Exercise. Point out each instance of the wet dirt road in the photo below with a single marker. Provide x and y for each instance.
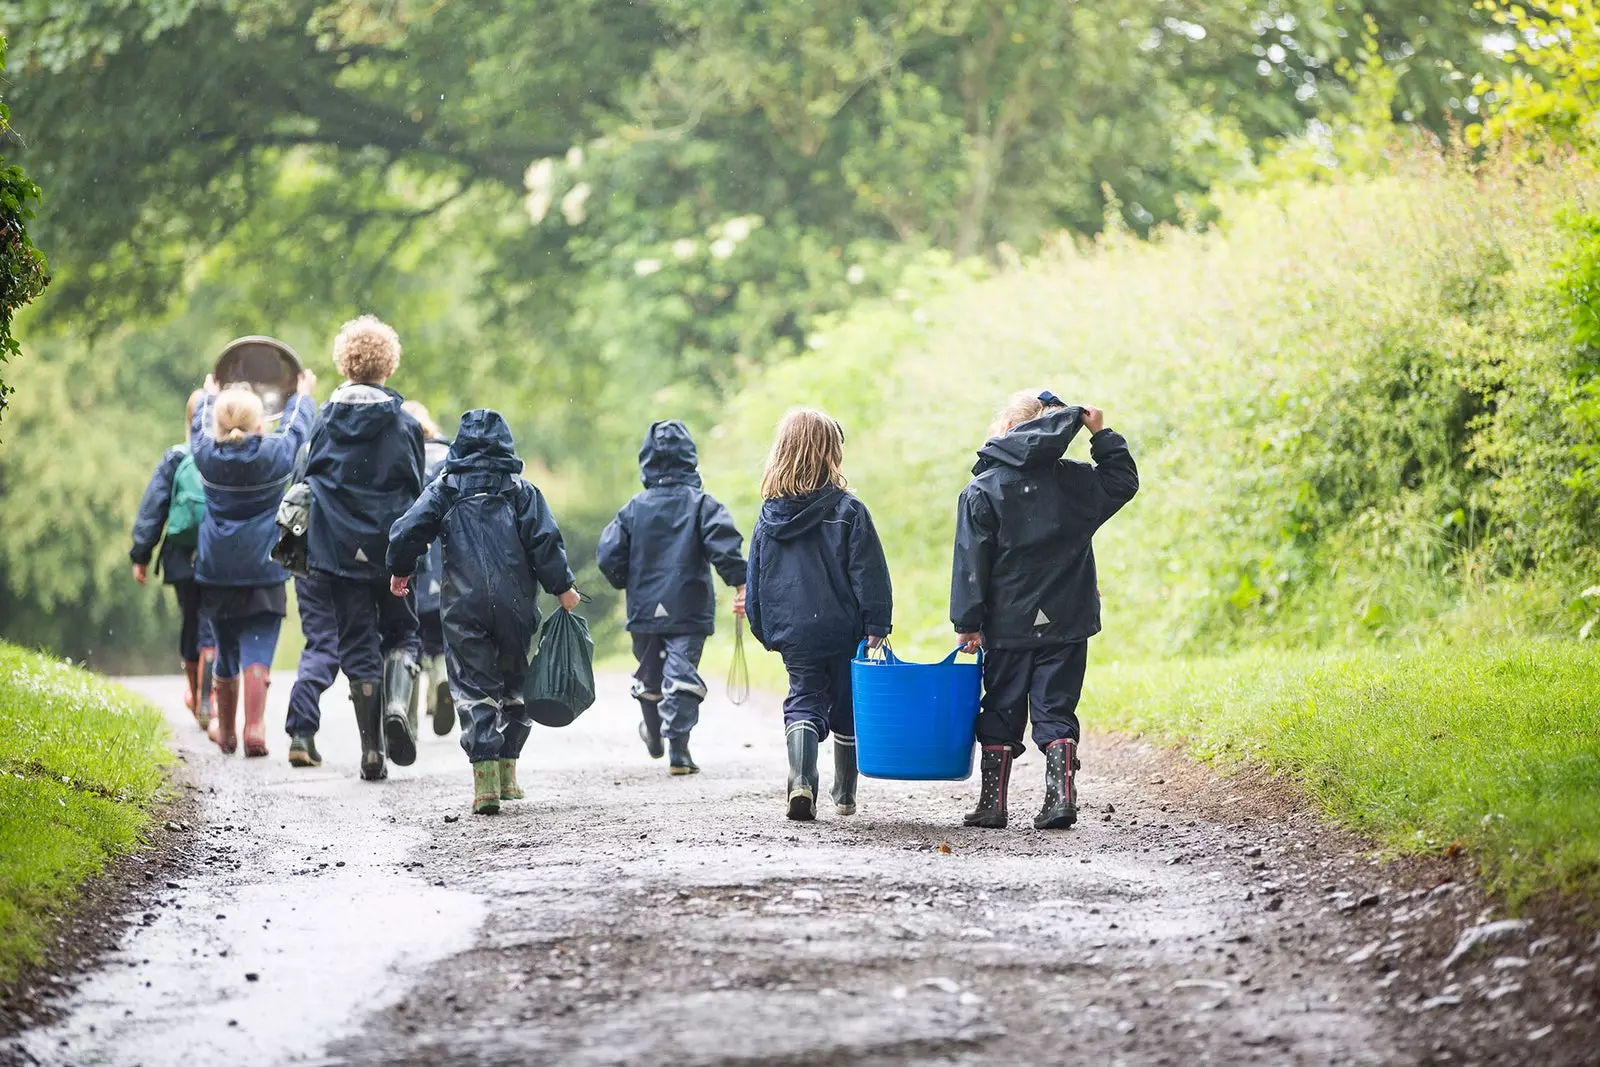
(620, 916)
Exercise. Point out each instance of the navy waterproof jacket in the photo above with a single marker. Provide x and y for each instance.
(430, 568)
(365, 470)
(1024, 573)
(498, 535)
(150, 526)
(818, 580)
(244, 482)
(664, 542)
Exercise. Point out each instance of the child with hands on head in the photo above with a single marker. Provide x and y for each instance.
(1023, 587)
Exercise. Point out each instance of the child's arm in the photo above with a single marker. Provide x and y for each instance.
(722, 541)
(1114, 468)
(541, 542)
(151, 520)
(752, 589)
(973, 560)
(616, 542)
(412, 532)
(869, 576)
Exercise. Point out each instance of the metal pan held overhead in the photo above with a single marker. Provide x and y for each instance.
(267, 365)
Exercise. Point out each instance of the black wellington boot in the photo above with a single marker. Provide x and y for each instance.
(367, 696)
(679, 758)
(1060, 791)
(802, 738)
(399, 683)
(845, 775)
(650, 727)
(991, 810)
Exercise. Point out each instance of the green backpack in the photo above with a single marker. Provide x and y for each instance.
(188, 505)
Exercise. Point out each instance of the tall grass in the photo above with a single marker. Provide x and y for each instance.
(1347, 404)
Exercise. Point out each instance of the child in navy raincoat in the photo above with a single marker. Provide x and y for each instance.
(197, 648)
(500, 545)
(661, 548)
(1023, 587)
(365, 470)
(246, 469)
(428, 583)
(818, 586)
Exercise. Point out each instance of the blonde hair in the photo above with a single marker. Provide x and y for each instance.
(1019, 407)
(807, 454)
(238, 414)
(418, 411)
(367, 350)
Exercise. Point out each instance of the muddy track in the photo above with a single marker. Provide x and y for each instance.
(619, 916)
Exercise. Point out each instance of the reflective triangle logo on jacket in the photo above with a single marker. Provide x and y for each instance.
(661, 611)
(361, 557)
(1041, 619)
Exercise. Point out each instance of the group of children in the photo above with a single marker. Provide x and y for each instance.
(402, 519)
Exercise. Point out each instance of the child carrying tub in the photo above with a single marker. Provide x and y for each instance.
(818, 585)
(1024, 587)
(500, 545)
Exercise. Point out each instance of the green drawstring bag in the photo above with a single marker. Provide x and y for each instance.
(560, 684)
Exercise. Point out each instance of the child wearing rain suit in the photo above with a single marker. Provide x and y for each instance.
(661, 548)
(500, 545)
(1023, 587)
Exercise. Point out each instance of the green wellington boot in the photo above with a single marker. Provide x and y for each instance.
(486, 787)
(509, 789)
(303, 751)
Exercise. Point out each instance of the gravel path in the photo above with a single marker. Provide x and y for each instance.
(619, 916)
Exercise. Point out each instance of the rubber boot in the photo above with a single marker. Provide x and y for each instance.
(486, 787)
(206, 706)
(678, 756)
(399, 680)
(257, 679)
(650, 727)
(1060, 791)
(412, 711)
(802, 739)
(845, 775)
(303, 751)
(191, 690)
(367, 696)
(221, 730)
(443, 708)
(991, 810)
(509, 789)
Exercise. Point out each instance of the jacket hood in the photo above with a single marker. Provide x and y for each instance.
(668, 456)
(789, 517)
(361, 412)
(483, 443)
(1035, 443)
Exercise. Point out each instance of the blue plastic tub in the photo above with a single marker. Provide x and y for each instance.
(915, 721)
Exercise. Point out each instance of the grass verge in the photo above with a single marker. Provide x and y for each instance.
(1492, 747)
(82, 765)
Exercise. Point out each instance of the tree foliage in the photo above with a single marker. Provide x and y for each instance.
(23, 273)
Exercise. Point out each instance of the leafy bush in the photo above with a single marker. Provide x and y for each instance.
(1356, 406)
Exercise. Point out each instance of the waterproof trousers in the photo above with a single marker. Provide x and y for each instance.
(371, 622)
(820, 694)
(1042, 684)
(194, 631)
(488, 669)
(669, 676)
(319, 661)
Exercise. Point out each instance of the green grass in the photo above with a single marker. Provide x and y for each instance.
(1490, 746)
(82, 764)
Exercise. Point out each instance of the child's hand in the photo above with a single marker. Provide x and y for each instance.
(738, 602)
(1094, 420)
(970, 642)
(141, 572)
(874, 641)
(307, 382)
(569, 600)
(399, 586)
(211, 387)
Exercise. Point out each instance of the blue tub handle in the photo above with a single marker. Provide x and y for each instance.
(888, 653)
(951, 658)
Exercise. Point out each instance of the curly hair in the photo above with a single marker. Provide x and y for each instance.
(367, 350)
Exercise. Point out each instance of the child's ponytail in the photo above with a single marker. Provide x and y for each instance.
(238, 414)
